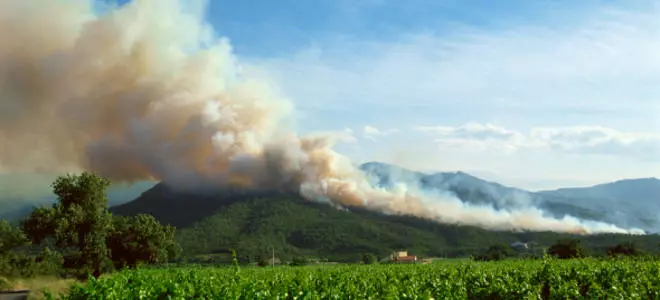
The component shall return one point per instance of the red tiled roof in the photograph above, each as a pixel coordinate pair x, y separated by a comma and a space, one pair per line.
406, 258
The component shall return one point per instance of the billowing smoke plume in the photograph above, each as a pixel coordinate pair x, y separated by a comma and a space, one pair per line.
146, 92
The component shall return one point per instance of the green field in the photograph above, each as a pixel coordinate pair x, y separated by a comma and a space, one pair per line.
550, 279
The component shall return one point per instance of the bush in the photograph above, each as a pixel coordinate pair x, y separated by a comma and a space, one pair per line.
625, 249
569, 248
369, 259
495, 252
4, 284
27, 266
299, 261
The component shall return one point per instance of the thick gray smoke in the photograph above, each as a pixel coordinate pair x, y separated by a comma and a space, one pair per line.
146, 92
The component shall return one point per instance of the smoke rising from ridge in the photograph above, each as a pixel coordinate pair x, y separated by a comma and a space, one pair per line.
146, 92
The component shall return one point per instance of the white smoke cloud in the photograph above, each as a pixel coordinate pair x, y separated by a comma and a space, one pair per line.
146, 92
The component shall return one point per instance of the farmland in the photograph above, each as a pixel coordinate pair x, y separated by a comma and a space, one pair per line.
512, 279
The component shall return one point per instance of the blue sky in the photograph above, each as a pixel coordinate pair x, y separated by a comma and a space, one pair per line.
536, 94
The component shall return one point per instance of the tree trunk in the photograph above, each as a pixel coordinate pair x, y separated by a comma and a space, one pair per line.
97, 269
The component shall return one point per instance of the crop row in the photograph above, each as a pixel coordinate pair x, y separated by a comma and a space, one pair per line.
543, 279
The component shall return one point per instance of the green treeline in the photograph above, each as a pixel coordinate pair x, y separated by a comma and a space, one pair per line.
293, 227
78, 236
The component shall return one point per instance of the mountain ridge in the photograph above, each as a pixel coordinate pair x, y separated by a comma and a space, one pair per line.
586, 203
605, 202
257, 223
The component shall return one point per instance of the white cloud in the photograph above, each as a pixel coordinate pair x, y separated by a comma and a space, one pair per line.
538, 84
599, 140
372, 133
576, 139
343, 136
606, 69
475, 136
368, 130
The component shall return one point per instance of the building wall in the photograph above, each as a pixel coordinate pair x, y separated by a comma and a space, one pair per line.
401, 254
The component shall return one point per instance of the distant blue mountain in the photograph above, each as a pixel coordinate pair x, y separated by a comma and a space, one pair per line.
468, 188
630, 202
627, 203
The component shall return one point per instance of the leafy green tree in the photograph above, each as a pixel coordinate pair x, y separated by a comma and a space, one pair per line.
79, 220
567, 248
627, 249
369, 259
495, 252
17, 261
141, 239
299, 261
11, 238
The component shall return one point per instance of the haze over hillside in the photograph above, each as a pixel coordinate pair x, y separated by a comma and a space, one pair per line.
258, 222
626, 203
608, 202
148, 91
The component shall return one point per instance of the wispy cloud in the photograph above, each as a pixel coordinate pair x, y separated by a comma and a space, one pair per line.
527, 89
600, 140
343, 136
575, 139
605, 68
476, 136
372, 133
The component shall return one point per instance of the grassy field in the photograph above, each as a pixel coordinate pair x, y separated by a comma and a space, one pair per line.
37, 285
551, 279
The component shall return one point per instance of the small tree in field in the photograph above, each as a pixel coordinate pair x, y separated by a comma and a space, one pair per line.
569, 248
79, 220
495, 252
625, 249
369, 259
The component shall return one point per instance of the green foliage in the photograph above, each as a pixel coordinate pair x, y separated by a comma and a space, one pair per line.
299, 261
627, 249
539, 279
495, 252
369, 259
26, 266
50, 262
4, 284
11, 238
297, 227
567, 248
140, 239
90, 239
79, 220
17, 263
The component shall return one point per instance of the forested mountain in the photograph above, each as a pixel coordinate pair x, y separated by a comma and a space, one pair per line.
255, 223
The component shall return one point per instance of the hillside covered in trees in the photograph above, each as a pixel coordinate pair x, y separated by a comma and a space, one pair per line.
256, 223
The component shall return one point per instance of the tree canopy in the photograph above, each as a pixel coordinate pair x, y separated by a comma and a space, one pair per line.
11, 237
495, 252
140, 239
89, 237
626, 249
567, 248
